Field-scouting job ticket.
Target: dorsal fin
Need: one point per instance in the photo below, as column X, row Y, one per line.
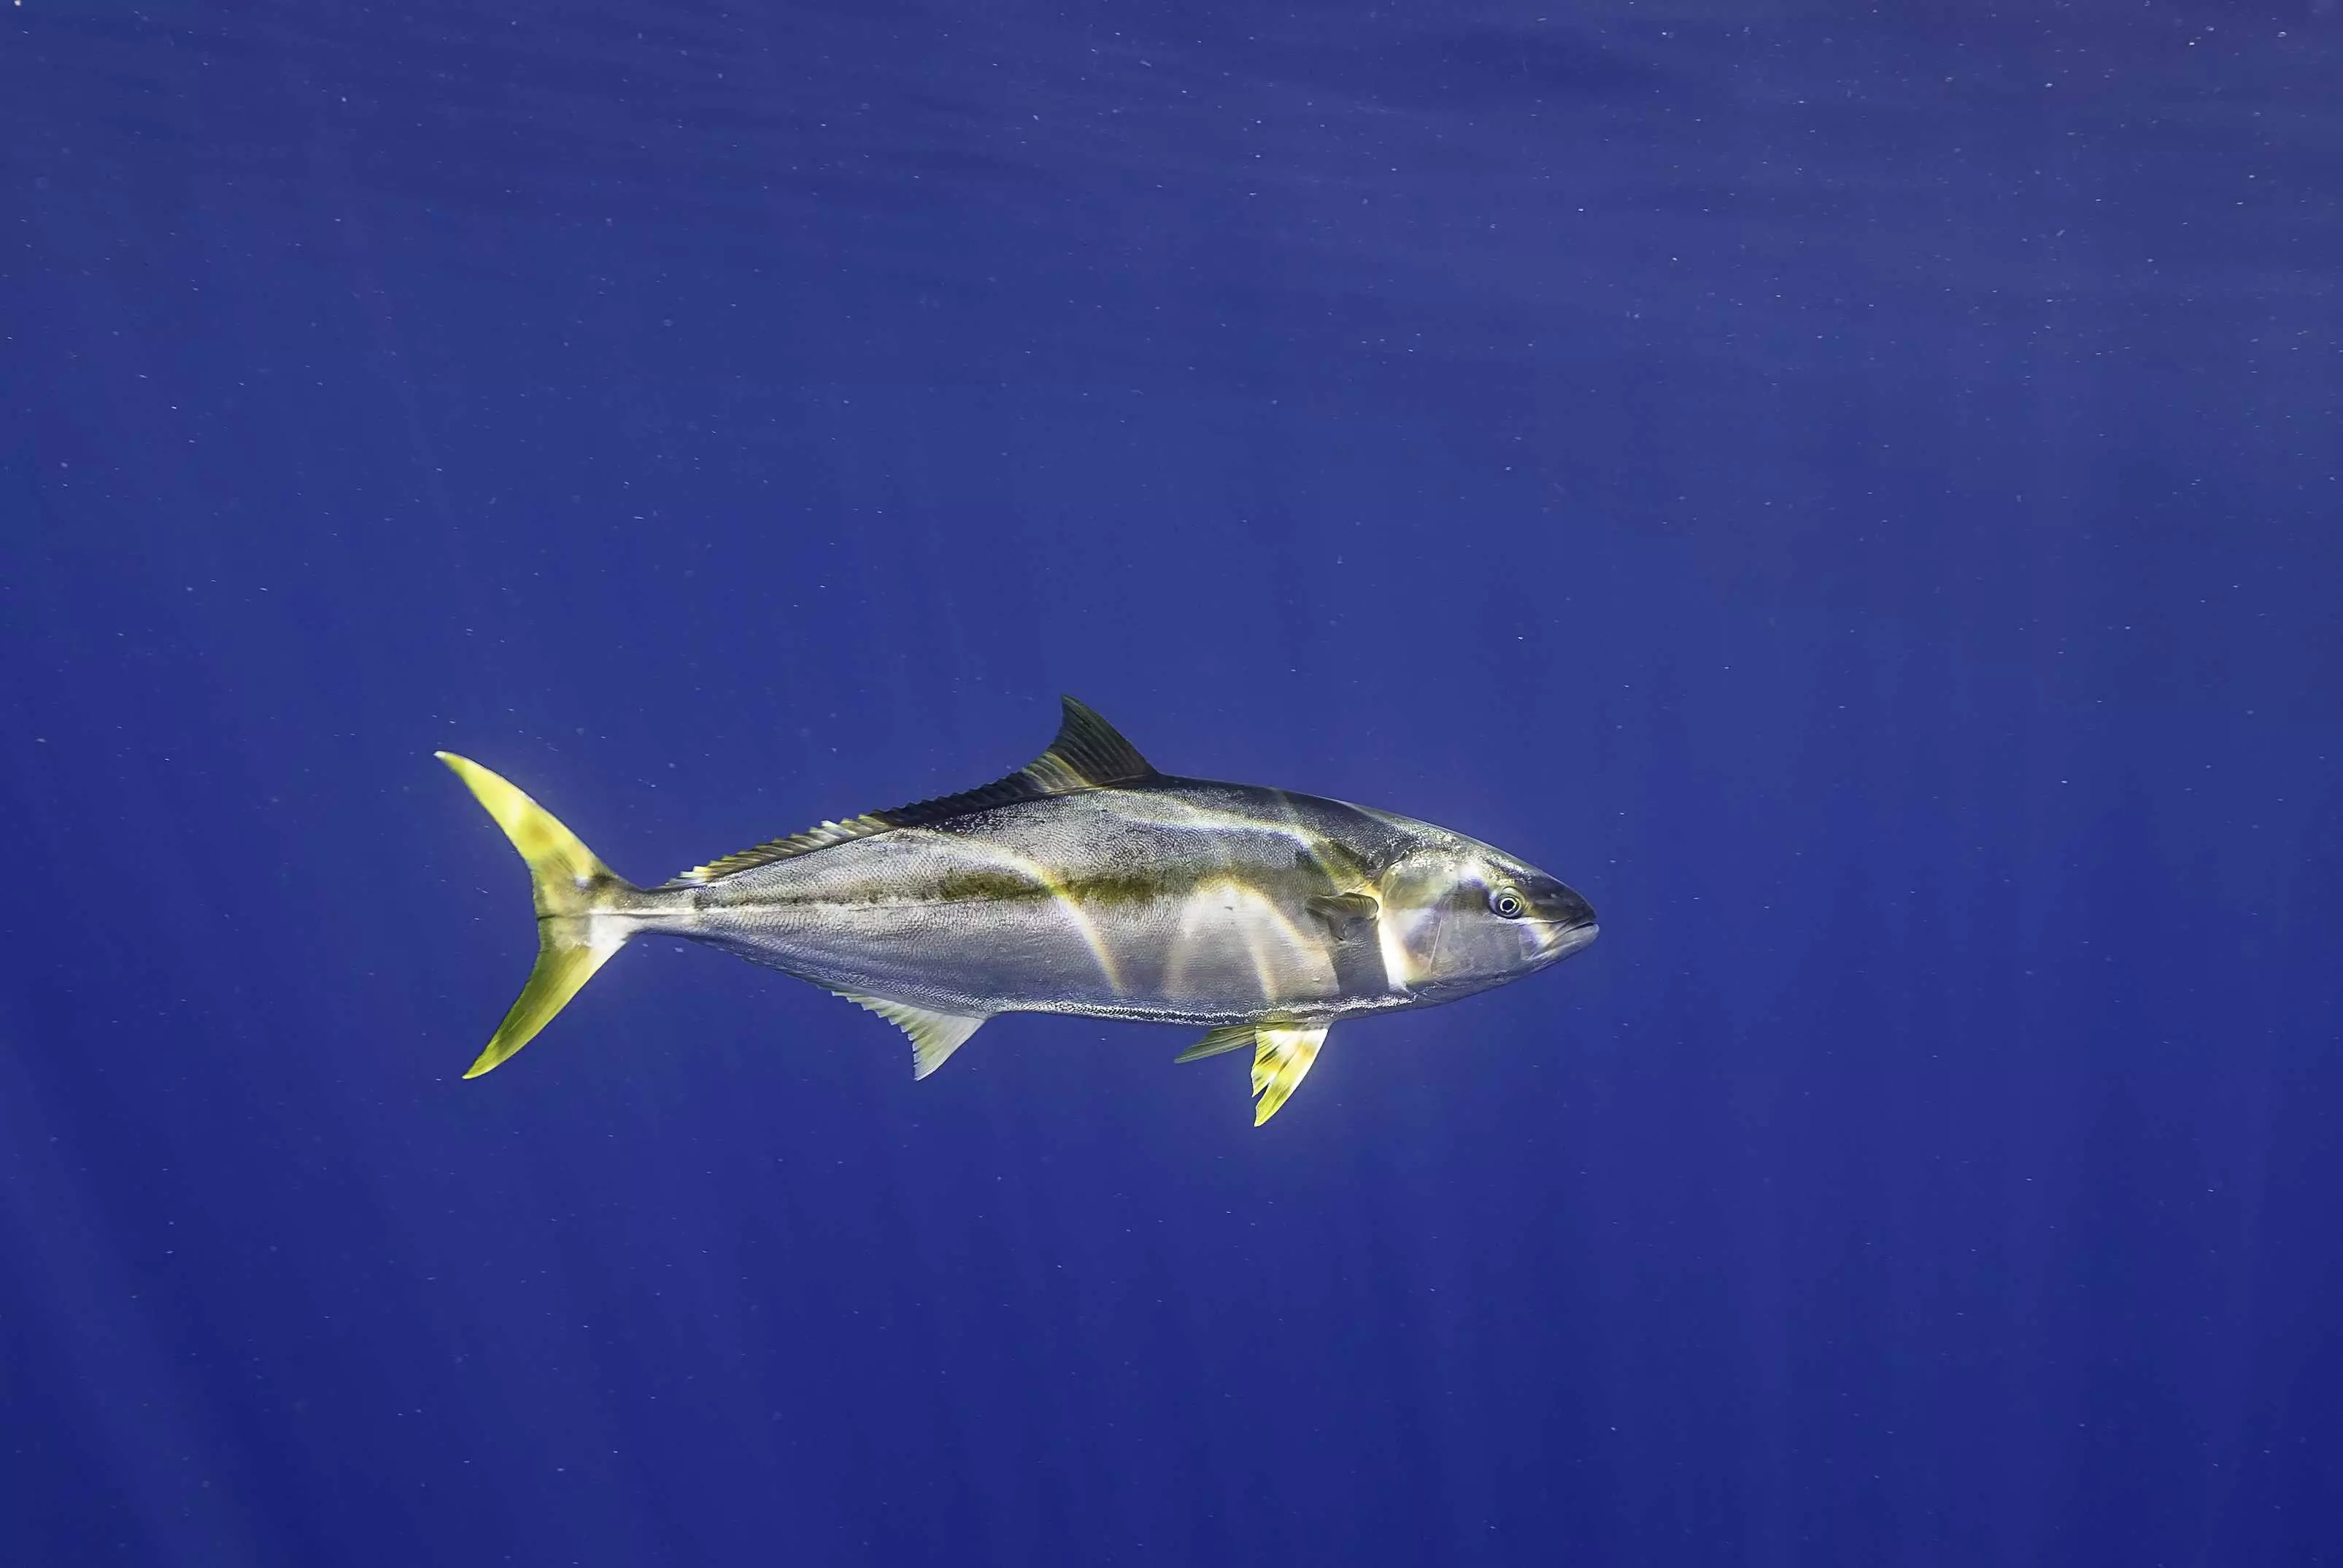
column 1087, row 754
column 772, row 850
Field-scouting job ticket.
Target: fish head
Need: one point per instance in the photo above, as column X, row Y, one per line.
column 1459, row 916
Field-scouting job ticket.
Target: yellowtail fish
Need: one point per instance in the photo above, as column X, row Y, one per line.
column 1085, row 883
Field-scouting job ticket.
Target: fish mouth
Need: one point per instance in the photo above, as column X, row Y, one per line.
column 1560, row 938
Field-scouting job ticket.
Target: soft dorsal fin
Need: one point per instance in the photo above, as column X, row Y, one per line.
column 1088, row 754
column 772, row 850
column 934, row 1035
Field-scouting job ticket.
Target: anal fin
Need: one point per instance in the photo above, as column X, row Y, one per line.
column 1227, row 1038
column 934, row 1035
column 1283, row 1055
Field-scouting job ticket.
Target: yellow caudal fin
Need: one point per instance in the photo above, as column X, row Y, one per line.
column 579, row 901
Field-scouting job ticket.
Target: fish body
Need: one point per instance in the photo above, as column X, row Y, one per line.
column 1086, row 883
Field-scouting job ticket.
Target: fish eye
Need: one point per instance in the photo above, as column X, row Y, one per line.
column 1508, row 904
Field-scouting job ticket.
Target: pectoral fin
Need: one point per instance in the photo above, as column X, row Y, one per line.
column 1282, row 1054
column 934, row 1035
column 1357, row 952
column 1227, row 1038
column 1345, row 910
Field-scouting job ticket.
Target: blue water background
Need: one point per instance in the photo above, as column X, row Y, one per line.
column 1853, row 491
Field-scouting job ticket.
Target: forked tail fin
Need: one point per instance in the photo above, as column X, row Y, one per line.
column 578, row 904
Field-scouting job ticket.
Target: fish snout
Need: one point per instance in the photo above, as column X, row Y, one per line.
column 1563, row 906
column 1565, row 921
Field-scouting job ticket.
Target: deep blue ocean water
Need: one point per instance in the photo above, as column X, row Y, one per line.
column 1854, row 491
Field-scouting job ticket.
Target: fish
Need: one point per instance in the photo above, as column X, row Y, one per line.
column 1086, row 882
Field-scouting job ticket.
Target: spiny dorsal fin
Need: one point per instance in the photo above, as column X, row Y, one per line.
column 1281, row 1056
column 934, row 1035
column 1227, row 1038
column 1088, row 754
